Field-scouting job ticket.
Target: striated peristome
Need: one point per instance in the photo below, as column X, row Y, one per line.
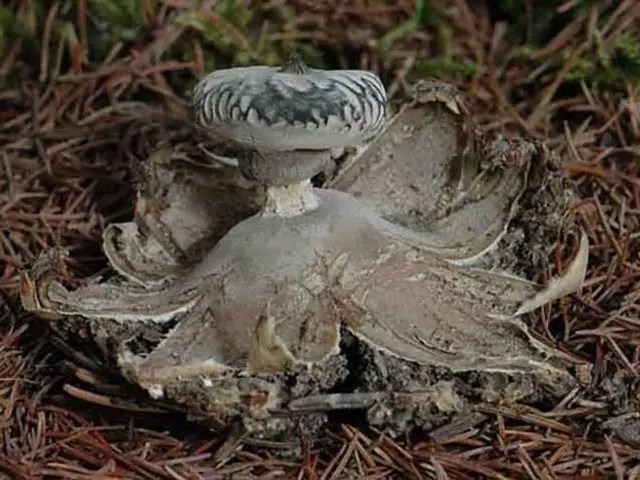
column 281, row 109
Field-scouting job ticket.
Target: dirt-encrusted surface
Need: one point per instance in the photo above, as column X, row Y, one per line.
column 543, row 218
column 88, row 88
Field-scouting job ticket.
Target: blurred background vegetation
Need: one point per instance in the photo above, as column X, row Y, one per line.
column 85, row 34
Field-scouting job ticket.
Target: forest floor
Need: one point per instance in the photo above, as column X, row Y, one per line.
column 85, row 87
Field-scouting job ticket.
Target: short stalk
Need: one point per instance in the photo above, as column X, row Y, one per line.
column 289, row 200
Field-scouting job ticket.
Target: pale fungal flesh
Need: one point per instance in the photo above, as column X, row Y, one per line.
column 175, row 223
column 271, row 314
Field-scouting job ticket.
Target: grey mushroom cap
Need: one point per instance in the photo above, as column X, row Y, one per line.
column 291, row 108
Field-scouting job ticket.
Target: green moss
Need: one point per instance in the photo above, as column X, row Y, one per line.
column 611, row 68
column 442, row 66
column 425, row 14
column 628, row 51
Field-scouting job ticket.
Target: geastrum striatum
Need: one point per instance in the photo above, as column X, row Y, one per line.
column 247, row 294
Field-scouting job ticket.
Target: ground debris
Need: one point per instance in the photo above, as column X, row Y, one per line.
column 65, row 161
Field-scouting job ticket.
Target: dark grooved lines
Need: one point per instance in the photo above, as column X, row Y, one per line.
column 330, row 101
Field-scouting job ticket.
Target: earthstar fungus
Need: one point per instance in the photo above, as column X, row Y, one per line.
column 310, row 299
